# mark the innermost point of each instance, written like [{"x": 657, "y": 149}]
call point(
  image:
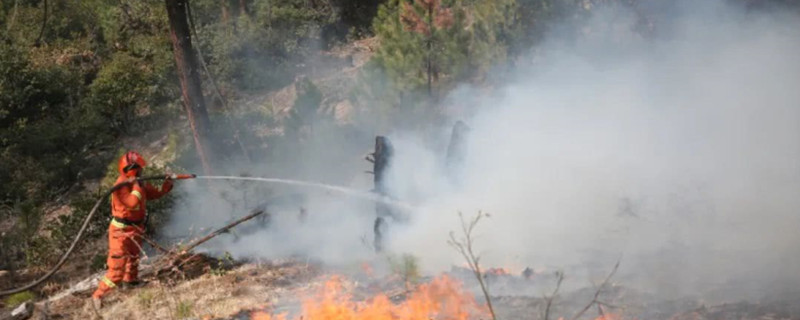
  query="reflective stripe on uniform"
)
[
  {"x": 137, "y": 194},
  {"x": 118, "y": 224},
  {"x": 108, "y": 282}
]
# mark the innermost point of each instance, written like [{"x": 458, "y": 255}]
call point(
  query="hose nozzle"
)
[{"x": 176, "y": 176}]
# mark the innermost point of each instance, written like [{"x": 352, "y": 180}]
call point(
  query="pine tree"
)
[
  {"x": 426, "y": 17},
  {"x": 421, "y": 41},
  {"x": 430, "y": 44}
]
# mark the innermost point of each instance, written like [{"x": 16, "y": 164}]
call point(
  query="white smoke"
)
[{"x": 680, "y": 153}]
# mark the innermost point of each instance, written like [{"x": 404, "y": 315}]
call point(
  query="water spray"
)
[{"x": 343, "y": 190}]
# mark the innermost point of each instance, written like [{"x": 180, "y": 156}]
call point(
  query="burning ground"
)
[
  {"x": 301, "y": 290},
  {"x": 678, "y": 153}
]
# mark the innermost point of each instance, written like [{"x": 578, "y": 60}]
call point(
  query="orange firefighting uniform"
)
[{"x": 124, "y": 234}]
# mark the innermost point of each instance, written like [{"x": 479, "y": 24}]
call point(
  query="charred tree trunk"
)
[
  {"x": 456, "y": 151},
  {"x": 381, "y": 162},
  {"x": 191, "y": 88}
]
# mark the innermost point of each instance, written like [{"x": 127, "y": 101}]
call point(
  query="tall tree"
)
[
  {"x": 243, "y": 7},
  {"x": 225, "y": 4},
  {"x": 426, "y": 17},
  {"x": 191, "y": 88}
]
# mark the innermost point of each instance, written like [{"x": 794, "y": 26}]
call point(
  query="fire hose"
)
[{"x": 86, "y": 224}]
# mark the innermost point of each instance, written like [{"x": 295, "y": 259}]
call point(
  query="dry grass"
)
[{"x": 206, "y": 297}]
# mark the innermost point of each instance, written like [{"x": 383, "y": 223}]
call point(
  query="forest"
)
[{"x": 198, "y": 85}]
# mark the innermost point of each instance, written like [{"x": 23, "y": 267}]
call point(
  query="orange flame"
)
[
  {"x": 367, "y": 268},
  {"x": 261, "y": 315},
  {"x": 603, "y": 317},
  {"x": 442, "y": 298},
  {"x": 497, "y": 271}
]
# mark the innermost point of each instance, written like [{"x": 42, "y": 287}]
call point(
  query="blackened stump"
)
[{"x": 382, "y": 160}]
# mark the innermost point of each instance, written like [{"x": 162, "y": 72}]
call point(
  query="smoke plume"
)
[{"x": 679, "y": 152}]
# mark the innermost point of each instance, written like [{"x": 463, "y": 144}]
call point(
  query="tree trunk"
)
[
  {"x": 430, "y": 49},
  {"x": 44, "y": 25},
  {"x": 382, "y": 160},
  {"x": 225, "y": 11},
  {"x": 191, "y": 87},
  {"x": 243, "y": 7}
]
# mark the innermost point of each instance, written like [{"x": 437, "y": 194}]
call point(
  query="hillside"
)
[{"x": 404, "y": 159}]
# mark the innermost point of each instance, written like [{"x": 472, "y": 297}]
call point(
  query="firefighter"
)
[{"x": 128, "y": 210}]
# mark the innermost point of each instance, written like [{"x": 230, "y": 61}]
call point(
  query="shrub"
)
[
  {"x": 184, "y": 309},
  {"x": 124, "y": 89},
  {"x": 17, "y": 299},
  {"x": 406, "y": 267}
]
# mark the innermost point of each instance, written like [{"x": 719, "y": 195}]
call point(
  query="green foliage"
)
[
  {"x": 63, "y": 230},
  {"x": 222, "y": 265},
  {"x": 434, "y": 39},
  {"x": 122, "y": 87},
  {"x": 406, "y": 267},
  {"x": 305, "y": 107},
  {"x": 17, "y": 299},
  {"x": 442, "y": 42},
  {"x": 146, "y": 297},
  {"x": 184, "y": 309},
  {"x": 98, "y": 262},
  {"x": 357, "y": 15},
  {"x": 67, "y": 21},
  {"x": 41, "y": 129},
  {"x": 527, "y": 21},
  {"x": 264, "y": 48}
]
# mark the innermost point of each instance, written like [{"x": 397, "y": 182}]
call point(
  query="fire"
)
[
  {"x": 442, "y": 298},
  {"x": 498, "y": 271},
  {"x": 261, "y": 315},
  {"x": 604, "y": 317},
  {"x": 367, "y": 268}
]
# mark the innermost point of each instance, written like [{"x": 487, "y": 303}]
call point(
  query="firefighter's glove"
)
[{"x": 167, "y": 186}]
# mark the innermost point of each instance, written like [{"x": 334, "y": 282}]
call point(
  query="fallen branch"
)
[
  {"x": 255, "y": 213},
  {"x": 464, "y": 247},
  {"x": 597, "y": 293},
  {"x": 155, "y": 245}
]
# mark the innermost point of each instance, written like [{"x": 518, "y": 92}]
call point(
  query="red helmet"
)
[{"x": 131, "y": 163}]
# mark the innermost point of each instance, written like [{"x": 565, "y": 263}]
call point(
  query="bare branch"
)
[
  {"x": 256, "y": 212},
  {"x": 607, "y": 305},
  {"x": 464, "y": 247},
  {"x": 156, "y": 245},
  {"x": 597, "y": 293}
]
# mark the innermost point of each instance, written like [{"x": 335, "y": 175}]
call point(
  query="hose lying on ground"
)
[{"x": 83, "y": 228}]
